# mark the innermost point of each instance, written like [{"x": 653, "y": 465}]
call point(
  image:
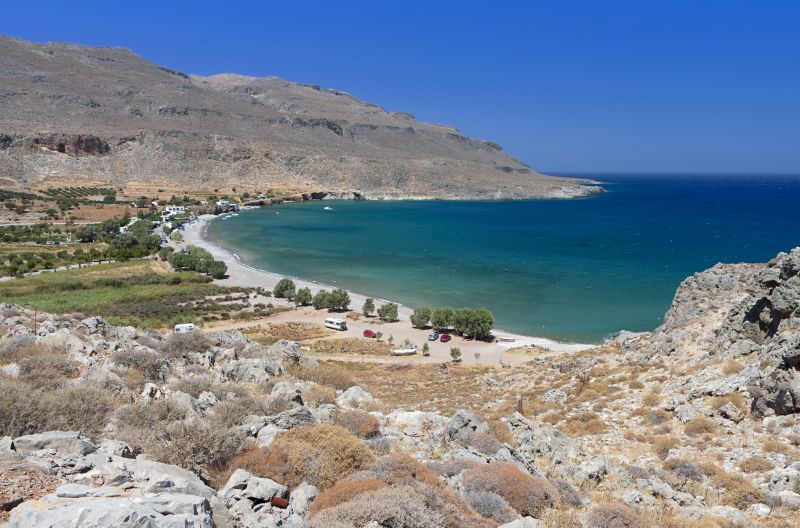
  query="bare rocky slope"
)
[
  {"x": 77, "y": 113},
  {"x": 693, "y": 425}
]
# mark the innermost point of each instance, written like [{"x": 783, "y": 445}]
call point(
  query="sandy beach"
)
[{"x": 240, "y": 274}]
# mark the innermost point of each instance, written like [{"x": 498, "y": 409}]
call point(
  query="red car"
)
[
  {"x": 444, "y": 338},
  {"x": 370, "y": 333}
]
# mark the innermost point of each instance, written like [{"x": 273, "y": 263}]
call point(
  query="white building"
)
[{"x": 172, "y": 210}]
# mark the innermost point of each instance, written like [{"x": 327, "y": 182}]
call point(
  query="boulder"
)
[
  {"x": 206, "y": 400},
  {"x": 525, "y": 522},
  {"x": 102, "y": 378},
  {"x": 731, "y": 412},
  {"x": 292, "y": 418},
  {"x": 593, "y": 469},
  {"x": 464, "y": 422},
  {"x": 287, "y": 393},
  {"x": 354, "y": 398},
  {"x": 246, "y": 370},
  {"x": 63, "y": 442}
]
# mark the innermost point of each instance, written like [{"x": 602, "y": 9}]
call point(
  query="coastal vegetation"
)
[
  {"x": 285, "y": 289},
  {"x": 368, "y": 307},
  {"x": 196, "y": 259},
  {"x": 388, "y": 312},
  {"x": 337, "y": 300},
  {"x": 420, "y": 317}
]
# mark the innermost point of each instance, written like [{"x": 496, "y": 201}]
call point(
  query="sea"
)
[{"x": 575, "y": 270}]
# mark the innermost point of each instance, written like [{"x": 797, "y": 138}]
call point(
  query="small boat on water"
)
[
  {"x": 327, "y": 208},
  {"x": 409, "y": 351}
]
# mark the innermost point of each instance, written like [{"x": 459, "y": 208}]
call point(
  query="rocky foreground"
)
[
  {"x": 78, "y": 114},
  {"x": 693, "y": 425}
]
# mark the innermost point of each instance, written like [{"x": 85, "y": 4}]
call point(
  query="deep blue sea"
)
[{"x": 572, "y": 270}]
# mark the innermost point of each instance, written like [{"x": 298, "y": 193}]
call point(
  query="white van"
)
[
  {"x": 184, "y": 327},
  {"x": 335, "y": 323}
]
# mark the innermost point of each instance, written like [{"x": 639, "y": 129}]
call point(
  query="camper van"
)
[
  {"x": 336, "y": 324},
  {"x": 184, "y": 327}
]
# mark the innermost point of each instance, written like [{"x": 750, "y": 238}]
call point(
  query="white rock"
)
[{"x": 354, "y": 398}]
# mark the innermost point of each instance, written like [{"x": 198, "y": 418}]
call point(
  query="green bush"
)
[
  {"x": 420, "y": 317},
  {"x": 388, "y": 312},
  {"x": 285, "y": 289}
]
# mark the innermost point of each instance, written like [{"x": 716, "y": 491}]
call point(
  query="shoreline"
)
[{"x": 242, "y": 274}]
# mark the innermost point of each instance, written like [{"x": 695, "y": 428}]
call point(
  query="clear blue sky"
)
[{"x": 566, "y": 86}]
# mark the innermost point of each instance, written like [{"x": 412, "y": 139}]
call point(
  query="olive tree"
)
[
  {"x": 369, "y": 306},
  {"x": 303, "y": 297},
  {"x": 442, "y": 318},
  {"x": 388, "y": 312},
  {"x": 338, "y": 300},
  {"x": 420, "y": 317},
  {"x": 284, "y": 289}
]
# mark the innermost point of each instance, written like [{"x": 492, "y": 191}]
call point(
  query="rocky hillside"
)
[
  {"x": 76, "y": 113},
  {"x": 694, "y": 425}
]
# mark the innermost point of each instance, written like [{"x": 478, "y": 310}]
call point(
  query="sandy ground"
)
[{"x": 239, "y": 274}]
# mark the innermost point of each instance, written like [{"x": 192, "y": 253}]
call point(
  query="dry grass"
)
[
  {"x": 736, "y": 398},
  {"x": 732, "y": 367},
  {"x": 351, "y": 346},
  {"x": 317, "y": 395},
  {"x": 326, "y": 373},
  {"x": 614, "y": 516},
  {"x": 583, "y": 424},
  {"x": 773, "y": 445},
  {"x": 651, "y": 399},
  {"x": 699, "y": 425},
  {"x": 756, "y": 464},
  {"x": 663, "y": 444},
  {"x": 501, "y": 432},
  {"x": 738, "y": 491},
  {"x": 270, "y": 333}
]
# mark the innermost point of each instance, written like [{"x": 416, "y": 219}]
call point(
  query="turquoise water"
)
[{"x": 574, "y": 270}]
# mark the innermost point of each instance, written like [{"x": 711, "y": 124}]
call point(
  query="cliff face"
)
[{"x": 105, "y": 114}]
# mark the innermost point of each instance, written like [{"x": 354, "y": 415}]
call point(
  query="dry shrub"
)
[
  {"x": 401, "y": 506},
  {"x": 181, "y": 345},
  {"x": 491, "y": 505},
  {"x": 684, "y": 469},
  {"x": 663, "y": 444},
  {"x": 360, "y": 423},
  {"x": 526, "y": 494},
  {"x": 451, "y": 467},
  {"x": 196, "y": 385},
  {"x": 636, "y": 384},
  {"x": 586, "y": 423},
  {"x": 699, "y": 425},
  {"x": 317, "y": 395},
  {"x": 773, "y": 445},
  {"x": 25, "y": 410},
  {"x": 650, "y": 399},
  {"x": 500, "y": 430},
  {"x": 614, "y": 516},
  {"x": 326, "y": 374},
  {"x": 399, "y": 468},
  {"x": 755, "y": 464},
  {"x": 161, "y": 431},
  {"x": 738, "y": 492},
  {"x": 732, "y": 367},
  {"x": 320, "y": 455},
  {"x": 150, "y": 365},
  {"x": 568, "y": 494},
  {"x": 562, "y": 518},
  {"x": 343, "y": 491},
  {"x": 47, "y": 371},
  {"x": 14, "y": 349},
  {"x": 481, "y": 442},
  {"x": 736, "y": 398}
]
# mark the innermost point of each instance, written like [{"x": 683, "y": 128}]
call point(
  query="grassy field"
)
[{"x": 144, "y": 294}]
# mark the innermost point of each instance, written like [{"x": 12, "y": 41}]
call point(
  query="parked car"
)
[
  {"x": 433, "y": 336},
  {"x": 370, "y": 333},
  {"x": 445, "y": 338}
]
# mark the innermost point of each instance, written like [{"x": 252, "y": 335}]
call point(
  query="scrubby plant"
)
[
  {"x": 360, "y": 423},
  {"x": 420, "y": 317},
  {"x": 150, "y": 365},
  {"x": 303, "y": 297},
  {"x": 368, "y": 307},
  {"x": 567, "y": 493},
  {"x": 47, "y": 371},
  {"x": 182, "y": 344},
  {"x": 699, "y": 425},
  {"x": 285, "y": 289},
  {"x": 482, "y": 442},
  {"x": 491, "y": 505},
  {"x": 320, "y": 455},
  {"x": 614, "y": 516},
  {"x": 526, "y": 494},
  {"x": 344, "y": 491},
  {"x": 326, "y": 374},
  {"x": 585, "y": 423},
  {"x": 755, "y": 464},
  {"x": 388, "y": 312}
]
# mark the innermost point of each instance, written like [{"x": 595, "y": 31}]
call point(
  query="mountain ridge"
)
[{"x": 105, "y": 114}]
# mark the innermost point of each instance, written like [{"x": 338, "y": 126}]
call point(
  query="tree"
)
[
  {"x": 218, "y": 269},
  {"x": 426, "y": 349},
  {"x": 482, "y": 323},
  {"x": 320, "y": 300},
  {"x": 338, "y": 300},
  {"x": 303, "y": 297},
  {"x": 462, "y": 319},
  {"x": 378, "y": 335},
  {"x": 369, "y": 306},
  {"x": 455, "y": 353},
  {"x": 388, "y": 312},
  {"x": 420, "y": 317},
  {"x": 442, "y": 318},
  {"x": 284, "y": 289}
]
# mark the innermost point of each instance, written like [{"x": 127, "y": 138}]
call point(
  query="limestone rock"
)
[
  {"x": 354, "y": 398},
  {"x": 64, "y": 442}
]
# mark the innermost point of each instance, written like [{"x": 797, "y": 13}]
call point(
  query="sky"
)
[{"x": 565, "y": 86}]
